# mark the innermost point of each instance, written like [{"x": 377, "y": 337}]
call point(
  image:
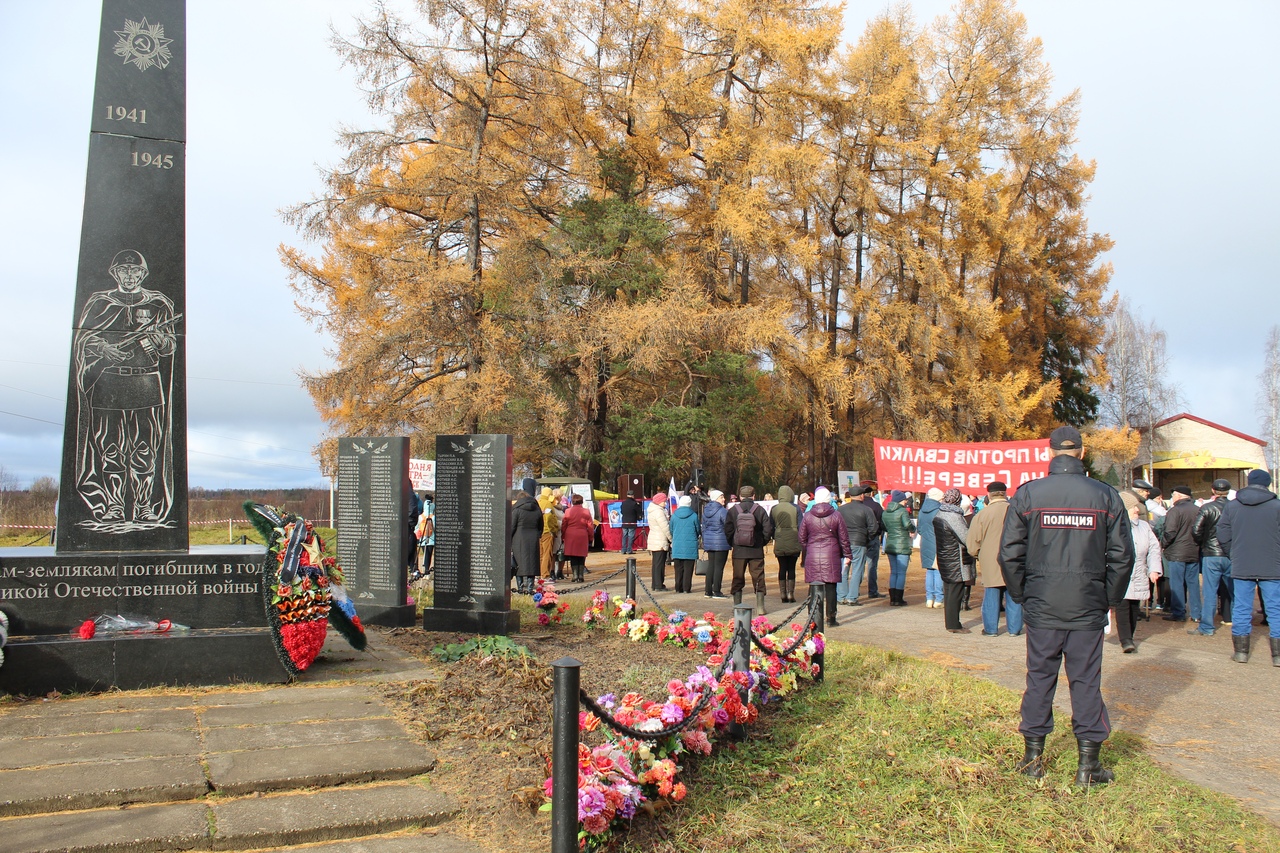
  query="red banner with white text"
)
[{"x": 915, "y": 466}]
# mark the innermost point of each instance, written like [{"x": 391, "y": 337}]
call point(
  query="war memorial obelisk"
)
[{"x": 122, "y": 543}]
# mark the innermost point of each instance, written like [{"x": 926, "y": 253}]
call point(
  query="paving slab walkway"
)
[{"x": 234, "y": 768}]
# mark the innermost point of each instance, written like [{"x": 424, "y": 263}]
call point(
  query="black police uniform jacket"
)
[{"x": 1066, "y": 551}]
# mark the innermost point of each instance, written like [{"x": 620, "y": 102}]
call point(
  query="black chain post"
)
[
  {"x": 740, "y": 653},
  {"x": 567, "y": 679},
  {"x": 817, "y": 597},
  {"x": 631, "y": 578}
]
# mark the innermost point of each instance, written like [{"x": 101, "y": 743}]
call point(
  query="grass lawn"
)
[{"x": 895, "y": 753}]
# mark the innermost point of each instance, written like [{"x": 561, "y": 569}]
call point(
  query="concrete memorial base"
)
[
  {"x": 403, "y": 616},
  {"x": 505, "y": 622},
  {"x": 35, "y": 666},
  {"x": 215, "y": 593}
]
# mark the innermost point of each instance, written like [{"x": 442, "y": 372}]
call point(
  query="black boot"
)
[
  {"x": 1032, "y": 763},
  {"x": 1241, "y": 643},
  {"x": 1091, "y": 771},
  {"x": 829, "y": 590},
  {"x": 1275, "y": 651},
  {"x": 964, "y": 597}
]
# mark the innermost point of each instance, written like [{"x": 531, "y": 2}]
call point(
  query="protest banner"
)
[{"x": 914, "y": 466}]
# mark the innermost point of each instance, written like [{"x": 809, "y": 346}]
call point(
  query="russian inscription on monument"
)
[
  {"x": 122, "y": 544},
  {"x": 373, "y": 525},
  {"x": 473, "y": 542}
]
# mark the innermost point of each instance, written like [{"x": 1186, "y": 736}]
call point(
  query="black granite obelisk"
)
[
  {"x": 122, "y": 543},
  {"x": 124, "y": 453}
]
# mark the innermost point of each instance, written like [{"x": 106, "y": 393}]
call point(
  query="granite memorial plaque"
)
[
  {"x": 122, "y": 543},
  {"x": 473, "y": 536},
  {"x": 373, "y": 527}
]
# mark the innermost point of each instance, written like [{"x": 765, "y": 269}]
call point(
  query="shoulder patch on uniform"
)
[{"x": 1069, "y": 519}]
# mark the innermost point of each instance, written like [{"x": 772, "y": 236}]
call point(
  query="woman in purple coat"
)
[{"x": 825, "y": 542}]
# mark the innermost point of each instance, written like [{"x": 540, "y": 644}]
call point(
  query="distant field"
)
[{"x": 204, "y": 534}]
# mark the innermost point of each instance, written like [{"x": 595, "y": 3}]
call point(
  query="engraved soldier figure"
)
[{"x": 123, "y": 351}]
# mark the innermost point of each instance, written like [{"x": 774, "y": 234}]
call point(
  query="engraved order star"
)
[
  {"x": 143, "y": 44},
  {"x": 471, "y": 442}
]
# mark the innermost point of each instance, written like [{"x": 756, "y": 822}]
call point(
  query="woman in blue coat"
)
[
  {"x": 714, "y": 541},
  {"x": 929, "y": 548},
  {"x": 685, "y": 528}
]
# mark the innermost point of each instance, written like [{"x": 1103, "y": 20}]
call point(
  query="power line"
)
[
  {"x": 201, "y": 452},
  {"x": 254, "y": 461},
  {"x": 29, "y": 418},
  {"x": 246, "y": 441},
  {"x": 32, "y": 393}
]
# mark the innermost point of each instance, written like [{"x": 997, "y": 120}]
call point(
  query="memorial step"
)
[{"x": 246, "y": 823}]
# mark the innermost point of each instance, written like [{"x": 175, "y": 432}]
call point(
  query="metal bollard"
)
[
  {"x": 740, "y": 654},
  {"x": 816, "y": 613},
  {"x": 631, "y": 579},
  {"x": 566, "y": 680}
]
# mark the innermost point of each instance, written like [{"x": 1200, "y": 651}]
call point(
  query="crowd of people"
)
[{"x": 1064, "y": 559}]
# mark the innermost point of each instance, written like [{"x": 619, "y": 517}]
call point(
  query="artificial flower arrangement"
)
[
  {"x": 597, "y": 610},
  {"x": 546, "y": 600},
  {"x": 303, "y": 588},
  {"x": 620, "y": 775}
]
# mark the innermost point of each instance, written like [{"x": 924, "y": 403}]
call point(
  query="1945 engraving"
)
[{"x": 123, "y": 350}]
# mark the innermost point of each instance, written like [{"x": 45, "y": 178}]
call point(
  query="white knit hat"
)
[{"x": 822, "y": 495}]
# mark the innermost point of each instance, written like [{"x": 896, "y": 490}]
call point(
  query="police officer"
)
[{"x": 1066, "y": 554}]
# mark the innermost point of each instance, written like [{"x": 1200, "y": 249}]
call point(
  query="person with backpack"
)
[{"x": 748, "y": 528}]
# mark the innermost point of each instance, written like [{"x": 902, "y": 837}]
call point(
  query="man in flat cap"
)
[
  {"x": 985, "y": 532},
  {"x": 1215, "y": 566},
  {"x": 1183, "y": 556},
  {"x": 1249, "y": 531},
  {"x": 1066, "y": 554}
]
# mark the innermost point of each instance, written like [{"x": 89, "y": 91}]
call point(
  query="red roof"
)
[{"x": 1211, "y": 424}]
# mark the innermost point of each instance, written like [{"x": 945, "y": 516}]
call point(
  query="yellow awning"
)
[{"x": 1202, "y": 462}]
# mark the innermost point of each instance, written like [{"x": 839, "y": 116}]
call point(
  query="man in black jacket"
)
[
  {"x": 1066, "y": 554},
  {"x": 1215, "y": 567},
  {"x": 862, "y": 525},
  {"x": 1249, "y": 531},
  {"x": 1183, "y": 555},
  {"x": 630, "y": 511},
  {"x": 873, "y": 542},
  {"x": 748, "y": 539}
]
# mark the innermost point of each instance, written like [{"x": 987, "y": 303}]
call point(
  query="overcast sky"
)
[{"x": 1179, "y": 110}]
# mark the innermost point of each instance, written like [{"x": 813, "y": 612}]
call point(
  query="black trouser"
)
[
  {"x": 1082, "y": 650},
  {"x": 578, "y": 565},
  {"x": 951, "y": 595},
  {"x": 684, "y": 575},
  {"x": 659, "y": 573},
  {"x": 1126, "y": 617},
  {"x": 715, "y": 572},
  {"x": 786, "y": 569}
]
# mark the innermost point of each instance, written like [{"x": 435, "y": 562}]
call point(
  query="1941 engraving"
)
[{"x": 123, "y": 349}]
